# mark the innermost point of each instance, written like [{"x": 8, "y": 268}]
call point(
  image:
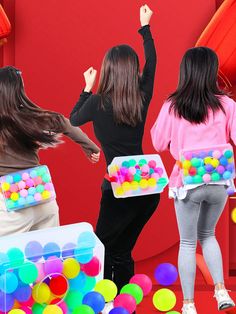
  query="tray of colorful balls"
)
[{"x": 137, "y": 175}]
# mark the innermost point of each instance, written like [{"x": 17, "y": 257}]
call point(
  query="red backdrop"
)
[{"x": 53, "y": 42}]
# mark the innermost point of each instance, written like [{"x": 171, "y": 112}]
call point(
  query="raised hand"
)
[
  {"x": 145, "y": 15},
  {"x": 90, "y": 78}
]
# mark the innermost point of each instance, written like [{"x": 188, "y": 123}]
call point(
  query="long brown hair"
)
[
  {"x": 120, "y": 82},
  {"x": 23, "y": 125}
]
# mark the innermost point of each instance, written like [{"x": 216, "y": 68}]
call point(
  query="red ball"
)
[
  {"x": 58, "y": 285},
  {"x": 192, "y": 171}
]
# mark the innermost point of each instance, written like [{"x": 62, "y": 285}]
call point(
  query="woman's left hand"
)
[{"x": 94, "y": 158}]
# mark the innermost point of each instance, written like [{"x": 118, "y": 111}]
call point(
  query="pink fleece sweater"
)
[{"x": 175, "y": 134}]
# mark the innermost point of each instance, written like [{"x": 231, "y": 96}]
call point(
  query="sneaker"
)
[
  {"x": 223, "y": 299},
  {"x": 189, "y": 308},
  {"x": 108, "y": 307}
]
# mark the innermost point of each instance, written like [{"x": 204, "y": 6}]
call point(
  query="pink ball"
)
[
  {"x": 7, "y": 194},
  {"x": 159, "y": 171},
  {"x": 127, "y": 301},
  {"x": 129, "y": 177},
  {"x": 155, "y": 176},
  {"x": 188, "y": 155},
  {"x": 220, "y": 169},
  {"x": 37, "y": 180},
  {"x": 216, "y": 154},
  {"x": 93, "y": 267},
  {"x": 26, "y": 309},
  {"x": 30, "y": 183},
  {"x": 14, "y": 188},
  {"x": 25, "y": 176},
  {"x": 145, "y": 169},
  {"x": 28, "y": 303},
  {"x": 132, "y": 170},
  {"x": 53, "y": 265},
  {"x": 152, "y": 164},
  {"x": 41, "y": 274},
  {"x": 143, "y": 281},
  {"x": 206, "y": 178},
  {"x": 23, "y": 193},
  {"x": 37, "y": 197},
  {"x": 21, "y": 185},
  {"x": 48, "y": 186}
]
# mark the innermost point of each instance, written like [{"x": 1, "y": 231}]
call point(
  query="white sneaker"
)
[
  {"x": 108, "y": 307},
  {"x": 189, "y": 308},
  {"x": 223, "y": 299}
]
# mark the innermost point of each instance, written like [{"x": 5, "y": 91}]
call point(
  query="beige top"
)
[{"x": 11, "y": 161}]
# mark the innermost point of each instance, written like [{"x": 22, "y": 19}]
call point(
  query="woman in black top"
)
[{"x": 118, "y": 112}]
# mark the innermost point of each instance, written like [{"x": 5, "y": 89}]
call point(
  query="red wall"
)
[{"x": 54, "y": 41}]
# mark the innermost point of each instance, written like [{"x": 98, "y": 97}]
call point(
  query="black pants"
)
[{"x": 119, "y": 224}]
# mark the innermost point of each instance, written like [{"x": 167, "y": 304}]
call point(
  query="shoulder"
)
[
  {"x": 166, "y": 107},
  {"x": 227, "y": 102}
]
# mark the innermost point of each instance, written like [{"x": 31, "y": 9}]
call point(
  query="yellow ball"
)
[
  {"x": 186, "y": 164},
  {"x": 14, "y": 196},
  {"x": 6, "y": 186},
  {"x": 46, "y": 194},
  {"x": 231, "y": 160},
  {"x": 215, "y": 162},
  {"x": 185, "y": 172},
  {"x": 71, "y": 268},
  {"x": 233, "y": 215},
  {"x": 16, "y": 311},
  {"x": 126, "y": 186},
  {"x": 52, "y": 309},
  {"x": 207, "y": 160},
  {"x": 152, "y": 182},
  {"x": 113, "y": 169},
  {"x": 119, "y": 191},
  {"x": 143, "y": 184},
  {"x": 41, "y": 293},
  {"x": 134, "y": 185}
]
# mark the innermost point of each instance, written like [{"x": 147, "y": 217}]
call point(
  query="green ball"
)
[
  {"x": 40, "y": 188},
  {"x": 41, "y": 171},
  {"x": 197, "y": 179},
  {"x": 196, "y": 162},
  {"x": 83, "y": 309},
  {"x": 164, "y": 300},
  {"x": 73, "y": 299},
  {"x": 134, "y": 290},
  {"x": 162, "y": 181},
  {"x": 137, "y": 177},
  {"x": 89, "y": 284},
  {"x": 125, "y": 164},
  {"x": 46, "y": 178},
  {"x": 142, "y": 162},
  {"x": 16, "y": 257},
  {"x": 201, "y": 171},
  {"x": 228, "y": 154},
  {"x": 215, "y": 176},
  {"x": 38, "y": 308},
  {"x": 132, "y": 163},
  {"x": 28, "y": 273}
]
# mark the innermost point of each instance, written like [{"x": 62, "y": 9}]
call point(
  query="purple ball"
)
[
  {"x": 6, "y": 302},
  {"x": 23, "y": 293},
  {"x": 230, "y": 167},
  {"x": 220, "y": 169},
  {"x": 166, "y": 274},
  {"x": 119, "y": 310},
  {"x": 53, "y": 265},
  {"x": 230, "y": 191},
  {"x": 68, "y": 250},
  {"x": 33, "y": 251},
  {"x": 202, "y": 155},
  {"x": 124, "y": 171},
  {"x": 209, "y": 168}
]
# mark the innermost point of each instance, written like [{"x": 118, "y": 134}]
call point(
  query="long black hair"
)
[
  {"x": 23, "y": 125},
  {"x": 120, "y": 82},
  {"x": 197, "y": 90}
]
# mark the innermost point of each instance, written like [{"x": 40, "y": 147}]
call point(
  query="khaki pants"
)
[{"x": 31, "y": 218}]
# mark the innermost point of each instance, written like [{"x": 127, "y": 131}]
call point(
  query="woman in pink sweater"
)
[{"x": 198, "y": 114}]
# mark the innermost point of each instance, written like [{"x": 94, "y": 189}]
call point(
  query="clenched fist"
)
[
  {"x": 145, "y": 15},
  {"x": 90, "y": 78}
]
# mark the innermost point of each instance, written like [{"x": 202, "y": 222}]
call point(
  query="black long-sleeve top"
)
[{"x": 118, "y": 139}]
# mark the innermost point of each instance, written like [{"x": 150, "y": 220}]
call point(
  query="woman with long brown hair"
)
[
  {"x": 24, "y": 129},
  {"x": 118, "y": 112}
]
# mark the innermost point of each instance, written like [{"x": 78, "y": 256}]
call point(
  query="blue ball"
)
[
  {"x": 33, "y": 251},
  {"x": 33, "y": 174},
  {"x": 68, "y": 250},
  {"x": 51, "y": 249},
  {"x": 86, "y": 240},
  {"x": 209, "y": 168},
  {"x": 83, "y": 256},
  {"x": 31, "y": 191},
  {"x": 6, "y": 302},
  {"x": 30, "y": 199},
  {"x": 230, "y": 167},
  {"x": 223, "y": 161},
  {"x": 8, "y": 282},
  {"x": 17, "y": 177},
  {"x": 9, "y": 179},
  {"x": 21, "y": 201},
  {"x": 166, "y": 274},
  {"x": 210, "y": 153},
  {"x": 119, "y": 310},
  {"x": 188, "y": 180},
  {"x": 227, "y": 175},
  {"x": 95, "y": 300},
  {"x": 78, "y": 283},
  {"x": 23, "y": 293}
]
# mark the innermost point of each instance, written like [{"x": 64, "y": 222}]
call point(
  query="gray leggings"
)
[{"x": 197, "y": 216}]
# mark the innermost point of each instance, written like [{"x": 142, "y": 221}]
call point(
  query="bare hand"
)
[
  {"x": 94, "y": 158},
  {"x": 90, "y": 78},
  {"x": 145, "y": 15}
]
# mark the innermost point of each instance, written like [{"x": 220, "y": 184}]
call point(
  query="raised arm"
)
[{"x": 147, "y": 79}]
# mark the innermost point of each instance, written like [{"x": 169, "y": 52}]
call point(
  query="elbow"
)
[{"x": 73, "y": 121}]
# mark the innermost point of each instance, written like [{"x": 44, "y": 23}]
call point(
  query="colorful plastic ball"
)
[
  {"x": 40, "y": 188},
  {"x": 52, "y": 309},
  {"x": 10, "y": 204},
  {"x": 93, "y": 267},
  {"x": 46, "y": 194},
  {"x": 223, "y": 161},
  {"x": 78, "y": 283},
  {"x": 155, "y": 176},
  {"x": 37, "y": 308},
  {"x": 16, "y": 257},
  {"x": 71, "y": 268},
  {"x": 186, "y": 164},
  {"x": 126, "y": 186},
  {"x": 107, "y": 288},
  {"x": 164, "y": 300},
  {"x": 16, "y": 311},
  {"x": 119, "y": 191},
  {"x": 41, "y": 275},
  {"x": 230, "y": 167},
  {"x": 227, "y": 175},
  {"x": 173, "y": 312},
  {"x": 192, "y": 171},
  {"x": 231, "y": 160},
  {"x": 28, "y": 273},
  {"x": 125, "y": 164},
  {"x": 9, "y": 179},
  {"x": 215, "y": 177},
  {"x": 196, "y": 162},
  {"x": 5, "y": 186},
  {"x": 162, "y": 181},
  {"x": 53, "y": 265},
  {"x": 123, "y": 171},
  {"x": 24, "y": 193},
  {"x": 145, "y": 168},
  {"x": 188, "y": 155},
  {"x": 132, "y": 170},
  {"x": 21, "y": 201},
  {"x": 83, "y": 256},
  {"x": 31, "y": 191},
  {"x": 215, "y": 162},
  {"x": 197, "y": 179},
  {"x": 58, "y": 285},
  {"x": 22, "y": 293},
  {"x": 143, "y": 184},
  {"x": 209, "y": 168},
  {"x": 220, "y": 169},
  {"x": 143, "y": 281},
  {"x": 51, "y": 249},
  {"x": 14, "y": 188},
  {"x": 30, "y": 199},
  {"x": 166, "y": 274},
  {"x": 8, "y": 282},
  {"x": 230, "y": 191},
  {"x": 17, "y": 177},
  {"x": 133, "y": 290},
  {"x": 95, "y": 300},
  {"x": 61, "y": 303},
  {"x": 29, "y": 183},
  {"x": 4, "y": 260},
  {"x": 188, "y": 180},
  {"x": 89, "y": 284},
  {"x": 201, "y": 171},
  {"x": 119, "y": 310},
  {"x": 21, "y": 185},
  {"x": 68, "y": 250},
  {"x": 137, "y": 177},
  {"x": 142, "y": 162},
  {"x": 26, "y": 309},
  {"x": 37, "y": 197},
  {"x": 6, "y": 302},
  {"x": 73, "y": 299},
  {"x": 14, "y": 196},
  {"x": 25, "y": 176},
  {"x": 207, "y": 160},
  {"x": 152, "y": 182},
  {"x": 83, "y": 309},
  {"x": 134, "y": 186},
  {"x": 46, "y": 178},
  {"x": 228, "y": 154},
  {"x": 33, "y": 173},
  {"x": 151, "y": 171},
  {"x": 126, "y": 301},
  {"x": 206, "y": 178},
  {"x": 37, "y": 180},
  {"x": 7, "y": 194},
  {"x": 86, "y": 240},
  {"x": 233, "y": 215},
  {"x": 152, "y": 164},
  {"x": 216, "y": 154},
  {"x": 41, "y": 293}
]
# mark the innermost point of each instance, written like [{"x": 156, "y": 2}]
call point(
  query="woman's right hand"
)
[
  {"x": 145, "y": 15},
  {"x": 90, "y": 78}
]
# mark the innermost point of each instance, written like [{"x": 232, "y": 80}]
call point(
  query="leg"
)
[
  {"x": 45, "y": 216},
  {"x": 187, "y": 213}
]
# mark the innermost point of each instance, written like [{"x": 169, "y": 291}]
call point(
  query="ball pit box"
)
[
  {"x": 27, "y": 187},
  {"x": 207, "y": 165},
  {"x": 57, "y": 265},
  {"x": 137, "y": 175}
]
